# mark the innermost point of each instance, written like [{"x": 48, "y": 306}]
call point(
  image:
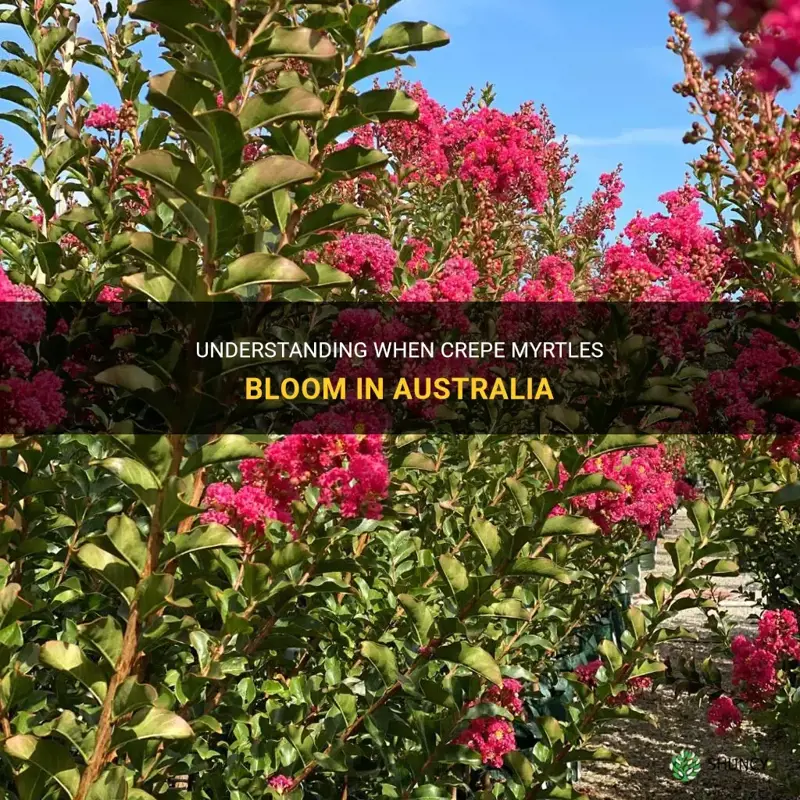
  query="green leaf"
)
[
  {"x": 111, "y": 784},
  {"x": 172, "y": 17},
  {"x": 681, "y": 551},
  {"x": 62, "y": 156},
  {"x": 128, "y": 542},
  {"x": 546, "y": 457},
  {"x": 664, "y": 396},
  {"x": 180, "y": 96},
  {"x": 153, "y": 723},
  {"x": 105, "y": 635},
  {"x": 280, "y": 105},
  {"x": 47, "y": 46},
  {"x": 121, "y": 576},
  {"x": 354, "y": 160},
  {"x": 324, "y": 276},
  {"x": 382, "y": 659},
  {"x": 648, "y": 668},
  {"x": 718, "y": 566},
  {"x": 229, "y": 447},
  {"x": 505, "y": 609},
  {"x": 371, "y": 65},
  {"x": 289, "y": 556},
  {"x": 226, "y": 226},
  {"x": 35, "y": 184},
  {"x": 474, "y": 658},
  {"x": 419, "y": 461},
  {"x": 383, "y": 105},
  {"x": 460, "y": 754},
  {"x": 420, "y": 615},
  {"x": 612, "y": 654},
  {"x": 132, "y": 695},
  {"x": 70, "y": 658},
  {"x": 551, "y": 728},
  {"x": 154, "y": 592},
  {"x": 160, "y": 288},
  {"x": 331, "y": 216},
  {"x": 155, "y": 133},
  {"x": 130, "y": 377},
  {"x": 227, "y": 65},
  {"x": 566, "y": 525},
  {"x": 26, "y": 121},
  {"x": 522, "y": 767},
  {"x": 20, "y": 96},
  {"x": 521, "y": 498},
  {"x": 12, "y": 606},
  {"x": 211, "y": 537},
  {"x": 224, "y": 142},
  {"x": 67, "y": 726},
  {"x": 303, "y": 43},
  {"x": 621, "y": 441},
  {"x": 788, "y": 496},
  {"x": 268, "y": 175},
  {"x": 405, "y": 37},
  {"x": 177, "y": 260},
  {"x": 16, "y": 222},
  {"x": 51, "y": 758},
  {"x": 455, "y": 573},
  {"x": 142, "y": 482},
  {"x": 588, "y": 484},
  {"x": 487, "y": 535},
  {"x": 179, "y": 181},
  {"x": 260, "y": 268},
  {"x": 598, "y": 754},
  {"x": 543, "y": 567},
  {"x": 637, "y": 620}
]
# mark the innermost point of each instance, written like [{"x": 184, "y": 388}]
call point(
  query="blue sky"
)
[{"x": 601, "y": 68}]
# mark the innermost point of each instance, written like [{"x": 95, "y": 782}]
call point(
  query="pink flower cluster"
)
[
  {"x": 776, "y": 50},
  {"x": 103, "y": 118},
  {"x": 733, "y": 394},
  {"x": 647, "y": 477},
  {"x": 246, "y": 510},
  {"x": 349, "y": 469},
  {"x": 551, "y": 283},
  {"x": 589, "y": 224},
  {"x": 280, "y": 783},
  {"x": 724, "y": 715},
  {"x": 511, "y": 156},
  {"x": 456, "y": 284},
  {"x": 669, "y": 257},
  {"x": 364, "y": 256},
  {"x": 28, "y": 401},
  {"x": 587, "y": 673},
  {"x": 506, "y": 696},
  {"x": 416, "y": 145},
  {"x": 492, "y": 737},
  {"x": 505, "y": 153},
  {"x": 756, "y": 661}
]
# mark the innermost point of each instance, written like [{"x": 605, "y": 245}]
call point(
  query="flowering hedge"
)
[{"x": 349, "y": 615}]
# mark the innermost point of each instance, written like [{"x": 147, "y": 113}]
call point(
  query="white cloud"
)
[{"x": 637, "y": 136}]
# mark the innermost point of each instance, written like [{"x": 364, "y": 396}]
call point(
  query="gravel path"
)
[{"x": 733, "y": 768}]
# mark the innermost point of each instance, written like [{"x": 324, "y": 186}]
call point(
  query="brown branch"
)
[{"x": 130, "y": 641}]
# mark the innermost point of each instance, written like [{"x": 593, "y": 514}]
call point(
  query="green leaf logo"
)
[{"x": 685, "y": 766}]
